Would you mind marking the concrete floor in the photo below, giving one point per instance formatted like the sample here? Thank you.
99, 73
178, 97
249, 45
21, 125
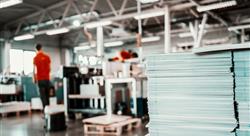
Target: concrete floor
33, 126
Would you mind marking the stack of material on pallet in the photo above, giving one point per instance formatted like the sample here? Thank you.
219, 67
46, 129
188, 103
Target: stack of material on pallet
7, 89
14, 107
191, 95
242, 81
36, 103
54, 109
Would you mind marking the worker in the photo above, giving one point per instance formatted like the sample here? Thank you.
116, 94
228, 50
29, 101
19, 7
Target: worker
42, 74
125, 54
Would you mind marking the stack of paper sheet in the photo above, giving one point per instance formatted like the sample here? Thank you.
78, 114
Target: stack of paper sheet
242, 90
191, 95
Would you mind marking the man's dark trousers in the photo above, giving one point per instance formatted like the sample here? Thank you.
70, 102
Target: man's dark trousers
44, 88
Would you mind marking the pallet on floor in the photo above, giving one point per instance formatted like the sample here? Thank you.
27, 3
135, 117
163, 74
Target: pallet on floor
5, 114
115, 125
37, 110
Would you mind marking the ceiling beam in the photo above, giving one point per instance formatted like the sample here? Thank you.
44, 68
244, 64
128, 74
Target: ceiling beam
112, 7
78, 11
123, 6
187, 5
51, 19
93, 5
40, 21
212, 14
65, 13
33, 6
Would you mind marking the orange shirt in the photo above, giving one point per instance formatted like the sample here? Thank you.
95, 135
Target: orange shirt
42, 63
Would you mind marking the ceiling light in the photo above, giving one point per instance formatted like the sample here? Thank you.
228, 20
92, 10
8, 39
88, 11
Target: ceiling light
8, 3
184, 44
150, 39
24, 37
76, 23
79, 48
183, 35
149, 15
148, 1
188, 34
215, 41
113, 44
216, 6
57, 31
97, 24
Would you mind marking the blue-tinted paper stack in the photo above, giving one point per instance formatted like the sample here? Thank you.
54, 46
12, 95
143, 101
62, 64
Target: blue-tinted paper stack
242, 90
191, 95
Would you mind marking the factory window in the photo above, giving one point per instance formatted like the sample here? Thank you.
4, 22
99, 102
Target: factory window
21, 61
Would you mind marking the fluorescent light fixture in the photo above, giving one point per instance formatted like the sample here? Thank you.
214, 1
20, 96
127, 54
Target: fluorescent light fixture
233, 28
79, 48
188, 34
183, 35
113, 44
57, 31
150, 39
76, 23
216, 41
148, 1
217, 6
8, 3
149, 14
97, 24
184, 44
24, 37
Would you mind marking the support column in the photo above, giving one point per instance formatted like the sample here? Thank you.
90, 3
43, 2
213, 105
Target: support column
99, 42
65, 95
201, 31
242, 36
140, 52
1, 56
6, 57
167, 31
139, 20
108, 94
67, 57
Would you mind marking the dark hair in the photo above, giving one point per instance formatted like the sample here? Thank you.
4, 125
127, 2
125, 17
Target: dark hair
134, 55
38, 47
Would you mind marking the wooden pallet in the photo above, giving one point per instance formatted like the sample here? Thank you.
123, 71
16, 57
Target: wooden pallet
115, 128
5, 114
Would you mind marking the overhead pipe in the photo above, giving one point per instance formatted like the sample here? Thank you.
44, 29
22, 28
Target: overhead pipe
93, 15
